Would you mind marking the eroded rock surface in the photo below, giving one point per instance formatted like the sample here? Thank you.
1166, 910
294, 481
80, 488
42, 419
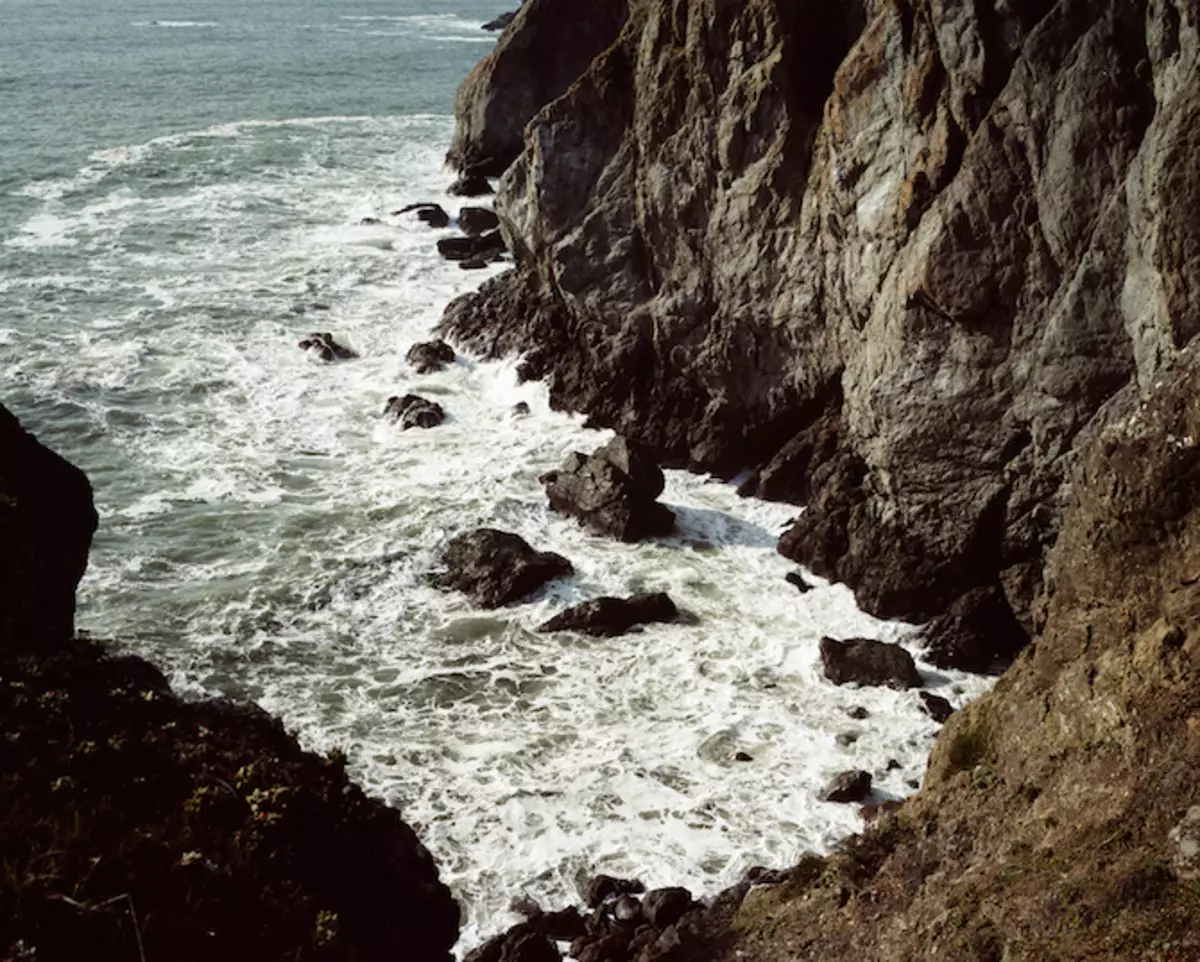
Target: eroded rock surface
866, 662
604, 617
498, 568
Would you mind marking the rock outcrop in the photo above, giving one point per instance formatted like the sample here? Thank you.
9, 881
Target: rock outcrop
902, 259
866, 662
497, 568
326, 348
605, 617
137, 825
545, 49
414, 411
430, 356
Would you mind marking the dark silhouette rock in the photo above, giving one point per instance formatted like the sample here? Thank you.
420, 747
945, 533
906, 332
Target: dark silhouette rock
430, 356
978, 633
520, 410
412, 411
608, 500
565, 925
501, 21
482, 247
663, 907
432, 214
473, 264
613, 616
604, 888
853, 786
326, 348
474, 221
797, 579
471, 185
370, 222
637, 462
549, 44
497, 568
627, 910
936, 707
868, 662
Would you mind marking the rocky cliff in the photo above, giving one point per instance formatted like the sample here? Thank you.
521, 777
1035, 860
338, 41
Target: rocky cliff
901, 258
138, 826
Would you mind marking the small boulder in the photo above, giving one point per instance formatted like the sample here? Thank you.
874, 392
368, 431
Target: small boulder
480, 248
565, 925
498, 568
868, 663
477, 220
797, 579
627, 910
607, 499
936, 707
520, 410
977, 633
430, 356
412, 411
432, 214
852, 786
470, 185
858, 713
664, 907
605, 617
326, 348
604, 888
636, 461
370, 222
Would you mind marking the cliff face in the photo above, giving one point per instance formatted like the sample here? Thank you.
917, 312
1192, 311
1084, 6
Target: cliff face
1054, 822
135, 824
901, 258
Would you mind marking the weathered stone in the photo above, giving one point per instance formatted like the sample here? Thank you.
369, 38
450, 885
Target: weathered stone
326, 348
470, 185
603, 888
606, 499
474, 221
613, 616
867, 662
977, 633
666, 906
432, 214
637, 462
430, 356
497, 568
853, 786
935, 706
412, 411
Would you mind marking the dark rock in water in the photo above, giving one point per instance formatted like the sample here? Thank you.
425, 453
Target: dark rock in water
430, 356
603, 888
326, 348
477, 220
743, 757
797, 579
606, 498
663, 907
868, 663
858, 713
497, 568
370, 222
471, 185
482, 247
613, 616
978, 633
845, 739
520, 410
432, 214
547, 47
501, 21
412, 411
851, 786
565, 925
936, 707
637, 462
518, 944
473, 264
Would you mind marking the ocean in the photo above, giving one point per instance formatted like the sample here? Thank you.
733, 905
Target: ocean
181, 195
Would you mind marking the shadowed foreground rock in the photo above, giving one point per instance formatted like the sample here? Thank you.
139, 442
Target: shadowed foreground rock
604, 617
498, 568
867, 662
139, 826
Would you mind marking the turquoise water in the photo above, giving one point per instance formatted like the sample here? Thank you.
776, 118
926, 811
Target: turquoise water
182, 190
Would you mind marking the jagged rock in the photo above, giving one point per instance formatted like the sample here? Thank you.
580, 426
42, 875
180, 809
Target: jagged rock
613, 616
608, 500
565, 925
474, 221
430, 356
637, 462
664, 907
935, 706
471, 185
545, 49
867, 662
473, 264
501, 21
432, 214
604, 888
497, 568
412, 411
977, 633
932, 241
627, 910
853, 786
481, 248
326, 348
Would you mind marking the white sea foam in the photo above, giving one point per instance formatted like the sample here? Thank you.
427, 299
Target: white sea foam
266, 533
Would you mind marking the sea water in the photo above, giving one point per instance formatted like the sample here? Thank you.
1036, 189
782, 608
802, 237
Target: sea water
182, 191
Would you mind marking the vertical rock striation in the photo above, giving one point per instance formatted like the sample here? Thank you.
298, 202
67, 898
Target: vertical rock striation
899, 256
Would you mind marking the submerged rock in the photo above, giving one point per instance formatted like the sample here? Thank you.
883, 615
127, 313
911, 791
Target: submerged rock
868, 662
413, 411
608, 499
430, 356
498, 568
432, 214
326, 348
613, 616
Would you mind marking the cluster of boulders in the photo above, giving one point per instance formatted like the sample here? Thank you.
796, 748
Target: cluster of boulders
481, 242
625, 923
